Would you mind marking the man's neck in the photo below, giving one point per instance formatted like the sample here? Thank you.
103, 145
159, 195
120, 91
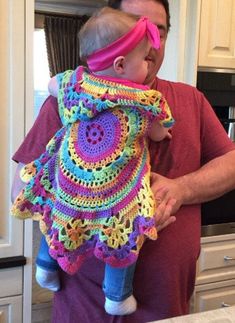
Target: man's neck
153, 83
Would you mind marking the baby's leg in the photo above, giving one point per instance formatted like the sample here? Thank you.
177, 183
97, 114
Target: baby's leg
47, 275
117, 286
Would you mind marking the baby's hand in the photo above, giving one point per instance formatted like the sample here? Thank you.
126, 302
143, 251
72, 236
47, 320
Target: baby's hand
157, 132
168, 134
53, 87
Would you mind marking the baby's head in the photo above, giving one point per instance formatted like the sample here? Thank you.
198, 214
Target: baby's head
117, 44
103, 28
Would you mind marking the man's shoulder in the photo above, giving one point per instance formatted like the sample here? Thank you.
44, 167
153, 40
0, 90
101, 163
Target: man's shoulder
180, 92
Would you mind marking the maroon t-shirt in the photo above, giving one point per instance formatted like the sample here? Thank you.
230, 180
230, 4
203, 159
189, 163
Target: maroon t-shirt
165, 271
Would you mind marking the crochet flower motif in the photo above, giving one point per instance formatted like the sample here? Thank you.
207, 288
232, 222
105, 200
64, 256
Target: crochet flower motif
117, 232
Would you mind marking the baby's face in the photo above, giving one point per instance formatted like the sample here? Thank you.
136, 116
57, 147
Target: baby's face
156, 13
137, 62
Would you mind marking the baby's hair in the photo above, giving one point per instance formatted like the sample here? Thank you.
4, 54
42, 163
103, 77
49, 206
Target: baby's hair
104, 27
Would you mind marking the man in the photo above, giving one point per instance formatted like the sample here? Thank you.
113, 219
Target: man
196, 165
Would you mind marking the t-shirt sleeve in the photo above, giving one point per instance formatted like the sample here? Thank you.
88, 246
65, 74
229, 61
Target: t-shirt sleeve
165, 118
43, 129
160, 108
214, 139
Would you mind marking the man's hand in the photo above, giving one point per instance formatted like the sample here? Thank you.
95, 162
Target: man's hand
168, 198
163, 215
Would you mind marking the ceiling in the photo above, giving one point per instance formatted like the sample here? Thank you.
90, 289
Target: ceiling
79, 7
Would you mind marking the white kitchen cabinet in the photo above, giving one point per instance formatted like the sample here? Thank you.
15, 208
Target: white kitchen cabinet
217, 34
11, 282
181, 54
16, 27
214, 296
11, 295
12, 117
215, 282
11, 309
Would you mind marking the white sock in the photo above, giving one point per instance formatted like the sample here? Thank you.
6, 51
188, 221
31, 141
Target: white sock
125, 307
47, 279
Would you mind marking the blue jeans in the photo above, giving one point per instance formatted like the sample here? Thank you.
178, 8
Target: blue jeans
118, 282
44, 260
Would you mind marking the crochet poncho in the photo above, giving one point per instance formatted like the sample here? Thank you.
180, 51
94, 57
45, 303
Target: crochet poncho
90, 189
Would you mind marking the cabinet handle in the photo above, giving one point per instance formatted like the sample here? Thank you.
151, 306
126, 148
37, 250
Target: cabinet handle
223, 304
227, 258
10, 262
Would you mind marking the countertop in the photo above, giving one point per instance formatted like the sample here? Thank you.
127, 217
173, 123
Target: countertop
223, 315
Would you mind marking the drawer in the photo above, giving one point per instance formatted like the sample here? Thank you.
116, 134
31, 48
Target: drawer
11, 281
216, 262
214, 296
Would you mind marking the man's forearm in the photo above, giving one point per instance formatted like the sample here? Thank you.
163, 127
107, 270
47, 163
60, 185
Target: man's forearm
212, 180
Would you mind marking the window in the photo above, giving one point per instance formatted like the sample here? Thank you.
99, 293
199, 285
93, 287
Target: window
41, 70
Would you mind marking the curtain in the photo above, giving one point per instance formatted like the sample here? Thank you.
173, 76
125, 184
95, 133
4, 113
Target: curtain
62, 42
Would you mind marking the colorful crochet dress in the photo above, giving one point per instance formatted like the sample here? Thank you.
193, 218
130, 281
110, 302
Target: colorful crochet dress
90, 190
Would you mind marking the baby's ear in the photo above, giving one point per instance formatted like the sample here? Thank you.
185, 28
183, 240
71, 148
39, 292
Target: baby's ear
118, 64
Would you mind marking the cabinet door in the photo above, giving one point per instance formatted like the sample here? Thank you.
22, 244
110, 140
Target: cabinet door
11, 309
11, 282
217, 34
217, 260
214, 296
12, 93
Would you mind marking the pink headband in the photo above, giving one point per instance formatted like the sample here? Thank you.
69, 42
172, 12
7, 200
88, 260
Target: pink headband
104, 57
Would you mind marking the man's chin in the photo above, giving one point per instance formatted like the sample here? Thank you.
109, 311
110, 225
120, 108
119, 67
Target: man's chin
152, 72
150, 79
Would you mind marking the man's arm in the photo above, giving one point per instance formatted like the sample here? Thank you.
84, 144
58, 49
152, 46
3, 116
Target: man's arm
45, 126
43, 129
212, 180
